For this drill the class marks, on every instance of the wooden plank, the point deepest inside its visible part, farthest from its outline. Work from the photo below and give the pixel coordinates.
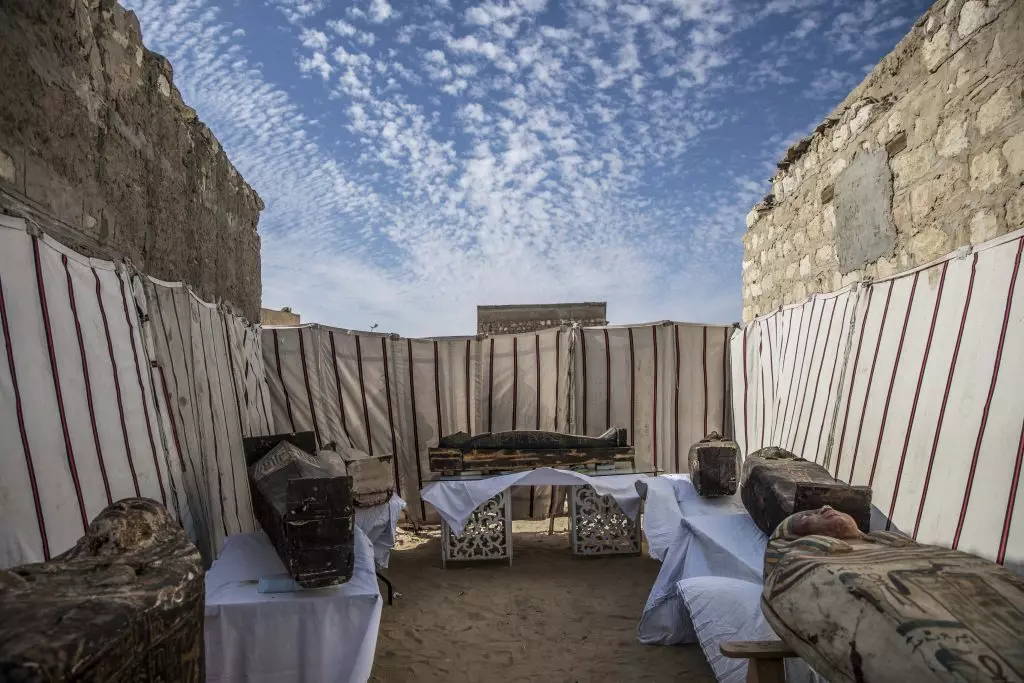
(125, 604)
(756, 649)
(776, 483)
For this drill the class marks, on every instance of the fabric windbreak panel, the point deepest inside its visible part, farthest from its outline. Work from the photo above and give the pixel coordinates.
(908, 385)
(293, 366)
(697, 376)
(72, 405)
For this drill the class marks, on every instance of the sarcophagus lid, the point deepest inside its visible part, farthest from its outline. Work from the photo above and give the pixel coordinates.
(714, 465)
(124, 605)
(777, 483)
(306, 510)
(373, 476)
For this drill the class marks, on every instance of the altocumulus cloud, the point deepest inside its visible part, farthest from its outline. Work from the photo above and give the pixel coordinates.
(419, 158)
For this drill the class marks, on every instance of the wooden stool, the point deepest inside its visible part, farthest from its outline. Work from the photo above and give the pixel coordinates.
(766, 657)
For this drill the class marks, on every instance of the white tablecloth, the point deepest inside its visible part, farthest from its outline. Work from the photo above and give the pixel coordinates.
(455, 500)
(311, 636)
(379, 523)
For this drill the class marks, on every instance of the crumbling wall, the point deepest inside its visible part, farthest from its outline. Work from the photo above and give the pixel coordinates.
(924, 157)
(521, 318)
(98, 148)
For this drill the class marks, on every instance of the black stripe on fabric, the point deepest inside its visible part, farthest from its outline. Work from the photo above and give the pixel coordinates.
(675, 404)
(416, 427)
(469, 420)
(654, 429)
(632, 388)
(704, 368)
(224, 416)
(583, 357)
(490, 389)
(337, 386)
(515, 380)
(362, 392)
(309, 390)
(213, 425)
(55, 376)
(607, 380)
(391, 414)
(23, 432)
(725, 382)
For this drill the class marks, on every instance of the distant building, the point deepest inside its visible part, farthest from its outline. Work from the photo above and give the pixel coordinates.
(268, 316)
(519, 318)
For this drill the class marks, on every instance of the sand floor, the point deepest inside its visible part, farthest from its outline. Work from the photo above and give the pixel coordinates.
(549, 617)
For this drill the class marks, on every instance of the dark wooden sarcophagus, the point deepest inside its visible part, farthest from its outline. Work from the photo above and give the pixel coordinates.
(305, 509)
(520, 450)
(125, 604)
(776, 483)
(715, 465)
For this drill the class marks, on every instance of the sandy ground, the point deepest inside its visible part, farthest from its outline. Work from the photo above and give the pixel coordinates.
(549, 617)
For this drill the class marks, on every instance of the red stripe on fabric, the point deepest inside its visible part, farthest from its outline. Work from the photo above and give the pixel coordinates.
(337, 385)
(415, 425)
(1014, 483)
(362, 393)
(117, 383)
(831, 381)
(725, 382)
(391, 413)
(917, 394)
(871, 377)
(142, 392)
(490, 389)
(793, 421)
(654, 421)
(675, 404)
(776, 423)
(213, 426)
(280, 376)
(515, 380)
(68, 448)
(174, 435)
(85, 376)
(760, 365)
(991, 392)
(814, 395)
(746, 431)
(632, 389)
(309, 390)
(231, 365)
(945, 395)
(558, 370)
(583, 358)
(853, 381)
(704, 369)
(437, 388)
(771, 359)
(469, 350)
(19, 409)
(536, 354)
(608, 380)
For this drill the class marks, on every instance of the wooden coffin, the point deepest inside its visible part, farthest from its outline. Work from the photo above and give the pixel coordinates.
(776, 483)
(308, 514)
(899, 614)
(373, 476)
(125, 604)
(522, 450)
(714, 465)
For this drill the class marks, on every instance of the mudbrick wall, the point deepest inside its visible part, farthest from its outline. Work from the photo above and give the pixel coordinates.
(98, 149)
(923, 157)
(521, 318)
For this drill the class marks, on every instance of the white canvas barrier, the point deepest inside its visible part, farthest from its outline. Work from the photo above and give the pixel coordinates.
(911, 388)
(104, 396)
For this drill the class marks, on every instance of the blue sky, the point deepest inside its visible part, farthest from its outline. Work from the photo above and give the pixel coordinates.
(420, 158)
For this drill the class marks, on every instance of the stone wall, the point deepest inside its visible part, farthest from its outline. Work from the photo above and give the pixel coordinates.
(270, 316)
(518, 319)
(98, 148)
(923, 157)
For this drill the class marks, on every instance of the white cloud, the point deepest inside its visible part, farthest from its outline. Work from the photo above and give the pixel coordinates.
(314, 40)
(380, 11)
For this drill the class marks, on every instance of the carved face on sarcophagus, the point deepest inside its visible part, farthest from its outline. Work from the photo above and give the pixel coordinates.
(125, 604)
(776, 483)
(307, 512)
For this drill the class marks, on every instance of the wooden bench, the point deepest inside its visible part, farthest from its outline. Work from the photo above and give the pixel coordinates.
(765, 657)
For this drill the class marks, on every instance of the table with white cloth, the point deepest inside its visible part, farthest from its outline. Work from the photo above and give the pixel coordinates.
(379, 523)
(324, 635)
(709, 588)
(476, 512)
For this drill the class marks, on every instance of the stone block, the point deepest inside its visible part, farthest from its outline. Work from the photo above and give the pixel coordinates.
(935, 49)
(972, 16)
(996, 110)
(828, 221)
(986, 170)
(984, 226)
(929, 244)
(908, 167)
(8, 172)
(1015, 209)
(798, 292)
(805, 266)
(836, 167)
(791, 271)
(824, 255)
(840, 137)
(1013, 150)
(951, 138)
(752, 217)
(861, 119)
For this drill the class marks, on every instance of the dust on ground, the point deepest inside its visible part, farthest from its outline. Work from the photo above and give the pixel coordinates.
(549, 617)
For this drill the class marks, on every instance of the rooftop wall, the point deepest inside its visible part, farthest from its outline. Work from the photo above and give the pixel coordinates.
(924, 157)
(98, 149)
(519, 318)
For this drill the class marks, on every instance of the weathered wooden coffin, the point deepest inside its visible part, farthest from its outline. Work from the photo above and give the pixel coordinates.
(714, 465)
(521, 450)
(776, 483)
(373, 476)
(899, 614)
(307, 512)
(125, 604)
